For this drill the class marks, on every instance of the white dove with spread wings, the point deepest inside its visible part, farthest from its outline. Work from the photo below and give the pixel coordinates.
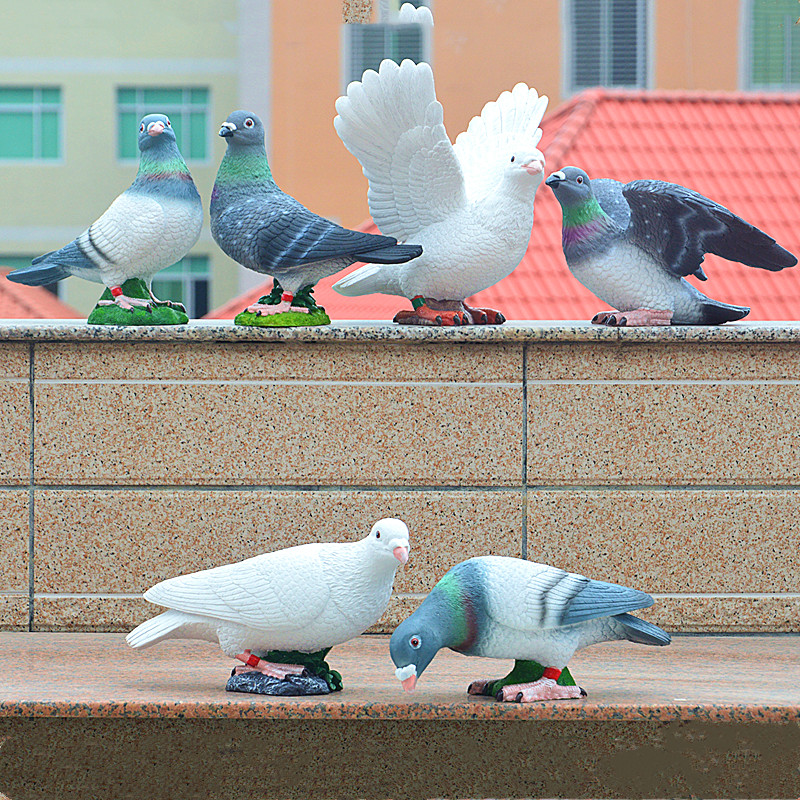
(469, 204)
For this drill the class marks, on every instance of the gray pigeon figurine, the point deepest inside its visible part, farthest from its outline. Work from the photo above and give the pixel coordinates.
(634, 244)
(151, 225)
(500, 607)
(268, 231)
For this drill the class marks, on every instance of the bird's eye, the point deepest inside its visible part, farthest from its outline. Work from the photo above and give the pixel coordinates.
(579, 179)
(248, 123)
(141, 128)
(415, 642)
(169, 124)
(377, 534)
(513, 158)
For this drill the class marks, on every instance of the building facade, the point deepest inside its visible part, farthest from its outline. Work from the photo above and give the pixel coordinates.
(76, 77)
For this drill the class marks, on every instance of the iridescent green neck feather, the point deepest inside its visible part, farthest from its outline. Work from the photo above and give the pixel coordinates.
(244, 166)
(463, 630)
(588, 211)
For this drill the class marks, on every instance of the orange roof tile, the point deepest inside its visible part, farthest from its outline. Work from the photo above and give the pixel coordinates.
(18, 301)
(741, 149)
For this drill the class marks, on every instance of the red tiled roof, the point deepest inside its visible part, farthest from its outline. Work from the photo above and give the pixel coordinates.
(741, 149)
(18, 301)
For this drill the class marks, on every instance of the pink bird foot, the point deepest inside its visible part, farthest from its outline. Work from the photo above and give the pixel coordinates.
(637, 316)
(484, 316)
(123, 301)
(543, 689)
(255, 664)
(263, 309)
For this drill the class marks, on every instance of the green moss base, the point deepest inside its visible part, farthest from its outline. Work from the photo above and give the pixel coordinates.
(154, 314)
(314, 662)
(286, 319)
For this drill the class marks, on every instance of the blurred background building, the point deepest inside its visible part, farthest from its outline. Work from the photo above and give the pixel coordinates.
(76, 77)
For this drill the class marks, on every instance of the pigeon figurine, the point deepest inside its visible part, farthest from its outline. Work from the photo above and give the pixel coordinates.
(469, 204)
(279, 613)
(268, 231)
(634, 244)
(500, 607)
(151, 225)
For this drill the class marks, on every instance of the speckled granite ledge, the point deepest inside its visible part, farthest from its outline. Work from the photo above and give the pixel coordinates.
(362, 331)
(740, 679)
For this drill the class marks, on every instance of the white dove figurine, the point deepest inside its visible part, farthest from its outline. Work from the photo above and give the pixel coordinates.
(469, 204)
(306, 598)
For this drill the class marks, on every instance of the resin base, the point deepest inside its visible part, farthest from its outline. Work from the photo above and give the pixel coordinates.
(318, 677)
(292, 686)
(164, 313)
(286, 319)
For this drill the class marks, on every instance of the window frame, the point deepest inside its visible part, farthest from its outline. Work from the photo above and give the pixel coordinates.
(186, 278)
(139, 108)
(567, 88)
(346, 49)
(746, 55)
(36, 107)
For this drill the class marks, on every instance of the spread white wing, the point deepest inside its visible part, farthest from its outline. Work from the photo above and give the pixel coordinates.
(280, 591)
(392, 123)
(507, 124)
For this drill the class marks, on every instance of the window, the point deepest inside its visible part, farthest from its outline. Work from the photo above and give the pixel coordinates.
(606, 43)
(187, 110)
(365, 46)
(774, 44)
(30, 123)
(186, 282)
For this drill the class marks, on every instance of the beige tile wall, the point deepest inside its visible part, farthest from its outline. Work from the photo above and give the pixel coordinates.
(669, 467)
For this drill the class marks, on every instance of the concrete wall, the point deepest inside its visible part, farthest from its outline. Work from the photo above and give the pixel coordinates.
(664, 460)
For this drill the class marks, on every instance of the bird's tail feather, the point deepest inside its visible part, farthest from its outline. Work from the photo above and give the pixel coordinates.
(641, 632)
(154, 630)
(38, 274)
(715, 313)
(369, 279)
(395, 254)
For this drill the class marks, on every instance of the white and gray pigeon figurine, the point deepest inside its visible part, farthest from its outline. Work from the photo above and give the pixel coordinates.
(267, 231)
(469, 204)
(303, 600)
(500, 607)
(634, 245)
(151, 225)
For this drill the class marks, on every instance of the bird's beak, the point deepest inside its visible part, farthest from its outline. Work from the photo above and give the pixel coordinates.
(556, 178)
(535, 166)
(401, 553)
(407, 676)
(227, 129)
(156, 128)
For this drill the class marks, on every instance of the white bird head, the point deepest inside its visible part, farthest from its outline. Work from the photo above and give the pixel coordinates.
(526, 166)
(389, 537)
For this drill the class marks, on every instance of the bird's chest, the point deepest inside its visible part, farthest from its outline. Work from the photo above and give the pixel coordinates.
(182, 221)
(625, 277)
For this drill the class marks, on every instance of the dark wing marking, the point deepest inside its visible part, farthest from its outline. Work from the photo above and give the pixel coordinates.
(290, 236)
(677, 227)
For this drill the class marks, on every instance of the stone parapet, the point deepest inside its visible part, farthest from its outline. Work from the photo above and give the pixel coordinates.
(665, 459)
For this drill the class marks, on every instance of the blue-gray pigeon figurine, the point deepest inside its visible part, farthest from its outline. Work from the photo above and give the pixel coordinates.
(151, 225)
(634, 244)
(266, 230)
(500, 607)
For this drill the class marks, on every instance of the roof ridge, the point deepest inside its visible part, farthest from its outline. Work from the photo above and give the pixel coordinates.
(578, 111)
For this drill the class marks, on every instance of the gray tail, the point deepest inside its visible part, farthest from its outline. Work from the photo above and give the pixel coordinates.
(38, 274)
(641, 632)
(715, 313)
(394, 254)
